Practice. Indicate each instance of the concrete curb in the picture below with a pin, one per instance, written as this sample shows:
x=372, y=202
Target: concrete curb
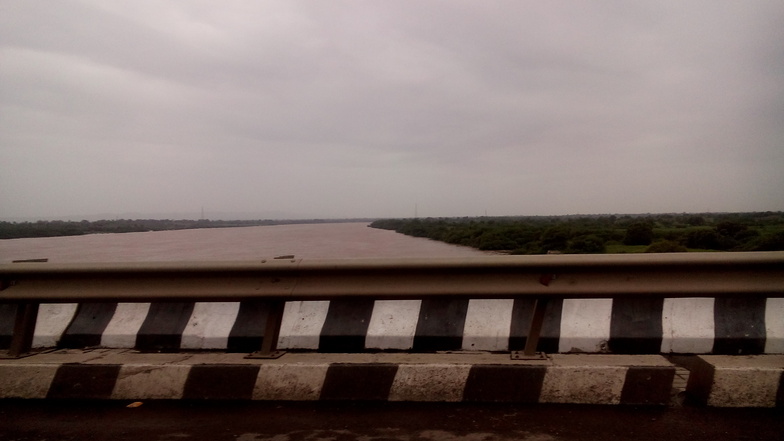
x=737, y=381
x=480, y=377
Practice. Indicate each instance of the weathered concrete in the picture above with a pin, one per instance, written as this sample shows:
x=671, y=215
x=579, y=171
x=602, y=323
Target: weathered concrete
x=687, y=326
x=302, y=323
x=26, y=381
x=444, y=377
x=431, y=382
x=722, y=381
x=290, y=382
x=737, y=381
x=210, y=325
x=393, y=324
x=585, y=325
x=774, y=326
x=487, y=325
x=124, y=325
x=52, y=321
x=150, y=381
x=720, y=326
x=584, y=384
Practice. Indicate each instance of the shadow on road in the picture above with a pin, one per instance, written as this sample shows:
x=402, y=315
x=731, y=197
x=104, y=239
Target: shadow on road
x=257, y=421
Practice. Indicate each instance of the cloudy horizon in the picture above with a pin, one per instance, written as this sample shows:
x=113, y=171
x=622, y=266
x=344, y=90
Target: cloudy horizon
x=347, y=109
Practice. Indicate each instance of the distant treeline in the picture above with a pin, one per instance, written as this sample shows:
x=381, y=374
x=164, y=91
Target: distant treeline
x=603, y=234
x=17, y=230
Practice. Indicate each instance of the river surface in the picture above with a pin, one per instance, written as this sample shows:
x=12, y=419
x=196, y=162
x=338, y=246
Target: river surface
x=312, y=241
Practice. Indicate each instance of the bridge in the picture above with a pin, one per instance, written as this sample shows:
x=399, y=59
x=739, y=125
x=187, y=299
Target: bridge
x=610, y=329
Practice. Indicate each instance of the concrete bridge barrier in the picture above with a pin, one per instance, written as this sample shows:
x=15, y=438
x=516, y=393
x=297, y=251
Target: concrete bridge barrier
x=747, y=381
x=390, y=330
x=113, y=374
x=722, y=326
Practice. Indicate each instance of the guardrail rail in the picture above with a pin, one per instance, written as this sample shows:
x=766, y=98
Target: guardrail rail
x=678, y=275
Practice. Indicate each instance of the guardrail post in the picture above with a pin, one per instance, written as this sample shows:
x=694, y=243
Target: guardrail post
x=24, y=323
x=534, y=331
x=269, y=345
x=24, y=328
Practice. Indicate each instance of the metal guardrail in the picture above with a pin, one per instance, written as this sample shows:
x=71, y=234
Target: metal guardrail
x=281, y=280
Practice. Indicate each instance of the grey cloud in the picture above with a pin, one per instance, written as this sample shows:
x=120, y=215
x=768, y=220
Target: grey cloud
x=364, y=108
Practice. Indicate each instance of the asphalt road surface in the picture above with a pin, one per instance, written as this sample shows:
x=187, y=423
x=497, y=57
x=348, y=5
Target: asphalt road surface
x=257, y=421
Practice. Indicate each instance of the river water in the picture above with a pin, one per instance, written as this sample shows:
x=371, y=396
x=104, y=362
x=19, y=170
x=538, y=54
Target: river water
x=312, y=241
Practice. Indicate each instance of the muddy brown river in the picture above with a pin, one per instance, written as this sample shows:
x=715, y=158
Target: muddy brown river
x=312, y=241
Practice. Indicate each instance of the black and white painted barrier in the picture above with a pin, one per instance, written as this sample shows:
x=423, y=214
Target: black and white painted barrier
x=695, y=303
x=725, y=381
x=637, y=325
x=113, y=374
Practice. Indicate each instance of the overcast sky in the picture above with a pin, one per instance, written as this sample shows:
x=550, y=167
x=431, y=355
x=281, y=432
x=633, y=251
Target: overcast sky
x=390, y=108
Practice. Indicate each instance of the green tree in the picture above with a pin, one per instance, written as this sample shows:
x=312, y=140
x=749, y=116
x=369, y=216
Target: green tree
x=590, y=244
x=695, y=221
x=770, y=242
x=639, y=233
x=555, y=238
x=666, y=246
x=730, y=229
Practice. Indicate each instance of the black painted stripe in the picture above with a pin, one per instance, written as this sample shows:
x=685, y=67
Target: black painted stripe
x=521, y=320
x=346, y=325
x=7, y=320
x=87, y=325
x=648, y=385
x=84, y=381
x=440, y=325
x=636, y=325
x=739, y=325
x=368, y=382
x=163, y=327
x=221, y=382
x=700, y=385
x=504, y=383
x=247, y=333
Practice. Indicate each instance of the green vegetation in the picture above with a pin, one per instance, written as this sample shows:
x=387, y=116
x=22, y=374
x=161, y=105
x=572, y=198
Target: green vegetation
x=654, y=233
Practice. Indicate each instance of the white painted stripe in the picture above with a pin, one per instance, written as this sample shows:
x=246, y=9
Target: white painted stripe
x=583, y=384
x=744, y=386
x=774, y=326
x=29, y=381
x=585, y=325
x=432, y=382
x=53, y=319
x=147, y=382
x=297, y=382
x=688, y=326
x=121, y=331
x=488, y=324
x=302, y=323
x=210, y=325
x=393, y=324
